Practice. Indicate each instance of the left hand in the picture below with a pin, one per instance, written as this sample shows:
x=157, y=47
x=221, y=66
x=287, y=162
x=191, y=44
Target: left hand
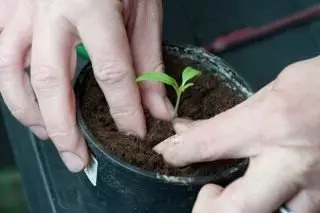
x=278, y=129
x=123, y=39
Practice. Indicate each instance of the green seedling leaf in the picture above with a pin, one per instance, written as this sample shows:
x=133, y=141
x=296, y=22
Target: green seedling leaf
x=184, y=87
x=158, y=77
x=188, y=74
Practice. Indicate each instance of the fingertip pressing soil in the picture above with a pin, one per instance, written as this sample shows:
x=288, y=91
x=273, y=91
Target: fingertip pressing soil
x=207, y=98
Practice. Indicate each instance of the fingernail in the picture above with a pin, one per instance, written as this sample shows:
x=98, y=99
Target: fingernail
x=182, y=121
x=72, y=161
x=180, y=124
x=180, y=127
x=40, y=132
x=158, y=148
x=168, y=143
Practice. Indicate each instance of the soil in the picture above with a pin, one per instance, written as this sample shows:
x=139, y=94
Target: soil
x=207, y=98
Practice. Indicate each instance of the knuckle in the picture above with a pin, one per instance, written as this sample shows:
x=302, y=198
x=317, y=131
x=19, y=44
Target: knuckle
x=79, y=10
x=110, y=72
x=124, y=112
x=294, y=66
x=25, y=114
x=45, y=77
x=73, y=10
x=57, y=132
x=293, y=72
x=147, y=86
x=288, y=71
x=156, y=66
x=20, y=113
x=280, y=105
x=59, y=135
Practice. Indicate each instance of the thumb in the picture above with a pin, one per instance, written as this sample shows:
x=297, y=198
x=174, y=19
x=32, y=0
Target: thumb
x=263, y=189
x=181, y=125
x=207, y=194
x=232, y=134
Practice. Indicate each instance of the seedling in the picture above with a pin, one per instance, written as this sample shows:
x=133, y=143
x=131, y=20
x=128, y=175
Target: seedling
x=188, y=74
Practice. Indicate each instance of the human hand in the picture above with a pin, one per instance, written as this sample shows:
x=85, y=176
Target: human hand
x=7, y=8
x=278, y=129
x=122, y=37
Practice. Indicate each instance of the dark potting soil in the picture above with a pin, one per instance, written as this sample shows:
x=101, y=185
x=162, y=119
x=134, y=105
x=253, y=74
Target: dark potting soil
x=207, y=98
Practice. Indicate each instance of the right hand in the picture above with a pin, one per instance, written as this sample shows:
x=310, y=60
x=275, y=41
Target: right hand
x=7, y=8
x=278, y=129
x=123, y=39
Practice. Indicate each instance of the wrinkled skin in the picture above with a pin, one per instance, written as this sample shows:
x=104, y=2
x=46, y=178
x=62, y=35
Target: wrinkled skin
x=278, y=129
x=123, y=39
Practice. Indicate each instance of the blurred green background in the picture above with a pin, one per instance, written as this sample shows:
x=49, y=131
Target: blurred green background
x=12, y=196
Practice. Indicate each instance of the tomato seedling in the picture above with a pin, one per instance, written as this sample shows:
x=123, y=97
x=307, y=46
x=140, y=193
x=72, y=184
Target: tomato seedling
x=188, y=74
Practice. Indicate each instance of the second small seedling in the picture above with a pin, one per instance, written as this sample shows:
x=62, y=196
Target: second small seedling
x=188, y=74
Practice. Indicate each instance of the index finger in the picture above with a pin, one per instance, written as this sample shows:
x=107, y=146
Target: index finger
x=104, y=35
x=50, y=78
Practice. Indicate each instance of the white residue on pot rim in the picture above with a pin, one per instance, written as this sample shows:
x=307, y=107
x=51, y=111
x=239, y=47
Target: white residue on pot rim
x=173, y=179
x=217, y=65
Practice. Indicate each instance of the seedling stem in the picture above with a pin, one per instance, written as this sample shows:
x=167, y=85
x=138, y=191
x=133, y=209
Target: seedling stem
x=188, y=74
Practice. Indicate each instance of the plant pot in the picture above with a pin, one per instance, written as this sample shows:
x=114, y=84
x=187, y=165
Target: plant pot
x=124, y=188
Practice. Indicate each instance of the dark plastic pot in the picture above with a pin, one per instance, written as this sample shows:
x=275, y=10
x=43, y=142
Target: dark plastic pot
x=123, y=188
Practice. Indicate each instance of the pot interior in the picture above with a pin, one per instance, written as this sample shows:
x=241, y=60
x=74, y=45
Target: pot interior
x=211, y=65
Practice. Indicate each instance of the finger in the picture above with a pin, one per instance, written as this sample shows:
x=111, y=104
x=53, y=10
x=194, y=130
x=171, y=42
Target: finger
x=181, y=125
x=308, y=200
x=15, y=84
x=145, y=33
x=104, y=35
x=228, y=135
x=263, y=189
x=73, y=63
x=50, y=76
x=207, y=194
x=7, y=9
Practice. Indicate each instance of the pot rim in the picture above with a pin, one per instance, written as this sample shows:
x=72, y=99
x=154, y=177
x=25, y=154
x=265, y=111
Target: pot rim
x=176, y=180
